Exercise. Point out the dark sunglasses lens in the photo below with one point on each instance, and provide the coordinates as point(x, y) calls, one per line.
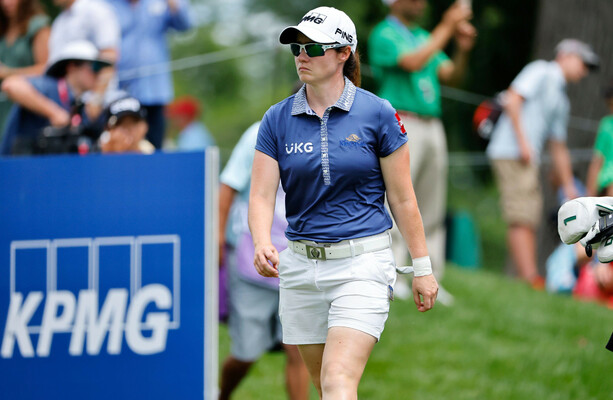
point(314, 50)
point(96, 66)
point(295, 49)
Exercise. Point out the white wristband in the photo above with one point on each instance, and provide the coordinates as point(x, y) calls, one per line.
point(422, 266)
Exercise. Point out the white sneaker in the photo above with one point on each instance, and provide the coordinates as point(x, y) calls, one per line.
point(444, 297)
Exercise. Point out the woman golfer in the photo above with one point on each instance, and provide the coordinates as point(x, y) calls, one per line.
point(338, 150)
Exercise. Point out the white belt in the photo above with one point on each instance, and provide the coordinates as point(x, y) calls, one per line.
point(342, 249)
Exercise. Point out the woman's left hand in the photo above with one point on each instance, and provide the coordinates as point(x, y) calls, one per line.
point(425, 287)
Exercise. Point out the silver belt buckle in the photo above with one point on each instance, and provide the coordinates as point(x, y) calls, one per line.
point(315, 253)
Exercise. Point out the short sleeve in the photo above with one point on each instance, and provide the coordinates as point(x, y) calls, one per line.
point(37, 23)
point(385, 47)
point(559, 128)
point(45, 85)
point(439, 59)
point(107, 33)
point(559, 122)
point(529, 81)
point(267, 140)
point(602, 139)
point(237, 172)
point(392, 134)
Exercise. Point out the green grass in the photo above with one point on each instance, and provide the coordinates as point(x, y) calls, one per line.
point(500, 340)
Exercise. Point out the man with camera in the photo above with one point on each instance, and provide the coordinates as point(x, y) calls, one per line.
point(51, 99)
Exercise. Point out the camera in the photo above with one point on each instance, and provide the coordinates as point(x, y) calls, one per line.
point(69, 139)
point(77, 137)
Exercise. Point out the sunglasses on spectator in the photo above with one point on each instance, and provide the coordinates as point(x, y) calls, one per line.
point(97, 66)
point(313, 49)
point(93, 65)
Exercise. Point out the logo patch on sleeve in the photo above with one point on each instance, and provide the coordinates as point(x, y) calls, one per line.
point(401, 125)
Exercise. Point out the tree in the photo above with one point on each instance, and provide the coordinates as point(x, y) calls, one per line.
point(589, 21)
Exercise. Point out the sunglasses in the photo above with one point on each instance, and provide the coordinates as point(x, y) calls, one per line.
point(313, 49)
point(98, 66)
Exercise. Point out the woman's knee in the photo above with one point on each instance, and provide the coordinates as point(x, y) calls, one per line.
point(337, 376)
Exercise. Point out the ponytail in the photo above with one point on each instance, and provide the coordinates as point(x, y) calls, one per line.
point(351, 69)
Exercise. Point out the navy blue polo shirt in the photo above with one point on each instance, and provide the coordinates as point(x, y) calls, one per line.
point(21, 122)
point(329, 166)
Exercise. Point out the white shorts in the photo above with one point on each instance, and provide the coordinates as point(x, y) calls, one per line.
point(351, 292)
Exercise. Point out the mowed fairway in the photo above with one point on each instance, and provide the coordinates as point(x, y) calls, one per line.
point(500, 340)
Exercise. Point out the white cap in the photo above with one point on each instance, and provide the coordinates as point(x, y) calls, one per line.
point(583, 50)
point(389, 2)
point(323, 25)
point(79, 50)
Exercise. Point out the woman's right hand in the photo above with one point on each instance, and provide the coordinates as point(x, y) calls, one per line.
point(266, 261)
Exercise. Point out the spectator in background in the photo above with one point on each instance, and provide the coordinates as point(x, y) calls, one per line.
point(600, 172)
point(126, 128)
point(409, 64)
point(184, 113)
point(94, 21)
point(254, 300)
point(49, 100)
point(536, 111)
point(24, 37)
point(143, 67)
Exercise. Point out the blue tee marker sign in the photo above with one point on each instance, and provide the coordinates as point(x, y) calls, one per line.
point(108, 277)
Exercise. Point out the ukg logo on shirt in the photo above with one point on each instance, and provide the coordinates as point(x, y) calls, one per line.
point(46, 300)
point(298, 147)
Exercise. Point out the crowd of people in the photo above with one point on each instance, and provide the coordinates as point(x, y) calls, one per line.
point(64, 75)
point(327, 235)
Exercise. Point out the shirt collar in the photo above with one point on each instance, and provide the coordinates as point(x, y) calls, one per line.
point(558, 74)
point(301, 106)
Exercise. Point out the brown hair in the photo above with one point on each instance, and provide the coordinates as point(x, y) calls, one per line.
point(351, 69)
point(26, 9)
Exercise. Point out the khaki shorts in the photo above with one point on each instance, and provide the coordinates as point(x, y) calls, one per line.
point(253, 322)
point(520, 192)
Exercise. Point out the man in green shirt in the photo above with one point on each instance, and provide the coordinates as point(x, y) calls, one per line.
point(600, 172)
point(409, 64)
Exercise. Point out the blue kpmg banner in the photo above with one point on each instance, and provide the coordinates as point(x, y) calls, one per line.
point(108, 277)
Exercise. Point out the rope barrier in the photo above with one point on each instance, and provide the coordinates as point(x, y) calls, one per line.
point(450, 93)
point(463, 96)
point(479, 159)
point(447, 92)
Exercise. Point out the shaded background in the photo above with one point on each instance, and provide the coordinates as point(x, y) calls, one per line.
point(233, 64)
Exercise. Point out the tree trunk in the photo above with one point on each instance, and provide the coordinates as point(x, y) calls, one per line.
point(589, 21)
